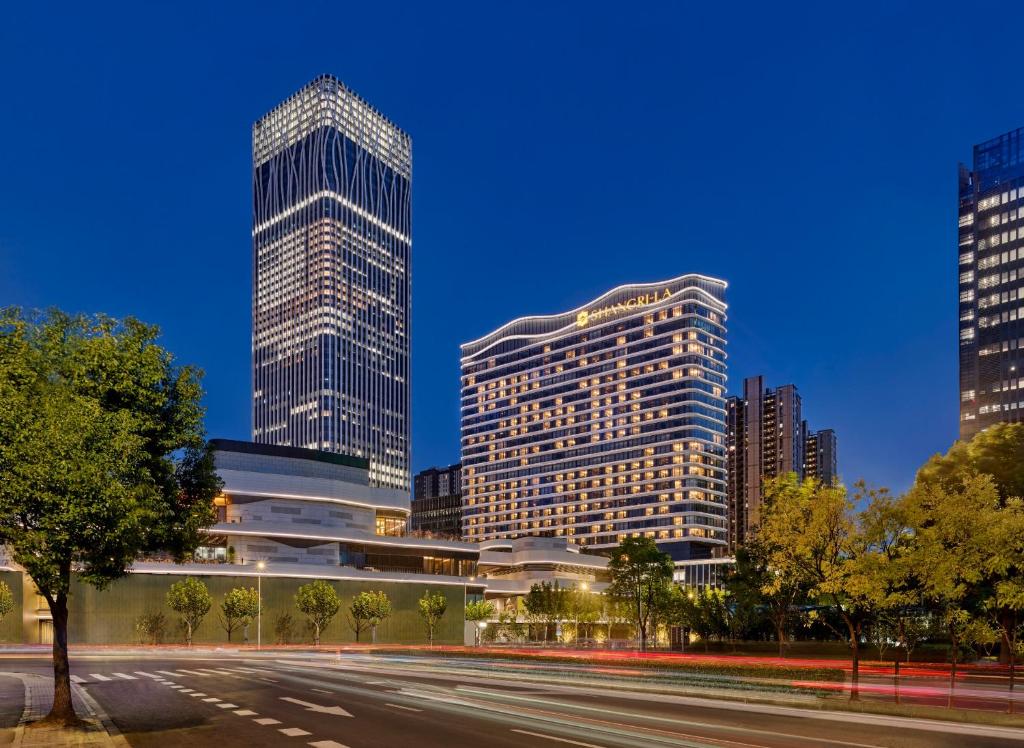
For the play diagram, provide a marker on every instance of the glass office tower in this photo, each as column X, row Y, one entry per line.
column 602, row 422
column 991, row 288
column 331, row 273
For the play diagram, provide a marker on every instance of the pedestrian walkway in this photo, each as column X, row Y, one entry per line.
column 98, row 730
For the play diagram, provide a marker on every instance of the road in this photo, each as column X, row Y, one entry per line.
column 363, row 701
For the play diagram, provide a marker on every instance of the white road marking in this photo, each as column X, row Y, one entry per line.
column 97, row 676
column 377, row 682
column 207, row 671
column 406, row 708
column 321, row 690
column 267, row 721
column 336, row 710
column 78, row 679
column 226, row 705
column 125, row 676
column 197, row 693
column 243, row 670
column 167, row 672
column 212, row 699
column 267, row 680
column 187, row 690
column 293, row 732
column 246, row 713
column 148, row 675
column 327, row 744
column 176, row 687
column 557, row 739
column 190, row 672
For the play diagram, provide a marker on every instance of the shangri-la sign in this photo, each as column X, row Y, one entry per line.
column 587, row 316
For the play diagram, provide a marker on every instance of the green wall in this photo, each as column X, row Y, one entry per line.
column 108, row 616
column 12, row 627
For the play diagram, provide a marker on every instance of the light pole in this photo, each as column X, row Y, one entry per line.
column 260, row 566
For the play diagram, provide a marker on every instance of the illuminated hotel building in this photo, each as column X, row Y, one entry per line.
column 603, row 422
column 331, row 297
column 991, row 285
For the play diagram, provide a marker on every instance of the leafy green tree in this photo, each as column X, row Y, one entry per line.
column 852, row 563
column 102, row 457
column 240, row 606
column 998, row 451
column 546, row 605
column 583, row 608
column 150, row 628
column 284, row 628
column 319, row 602
column 477, row 611
column 367, row 610
column 6, row 600
column 640, row 575
column 755, row 585
column 968, row 554
column 190, row 599
column 432, row 608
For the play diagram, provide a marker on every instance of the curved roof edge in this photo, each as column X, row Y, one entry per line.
column 495, row 334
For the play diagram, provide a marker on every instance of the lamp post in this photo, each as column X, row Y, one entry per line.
column 260, row 566
column 584, row 587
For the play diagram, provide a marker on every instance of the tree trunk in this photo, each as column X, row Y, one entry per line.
column 373, row 635
column 63, row 710
column 780, row 632
column 955, row 641
column 188, row 633
column 316, row 634
column 855, row 656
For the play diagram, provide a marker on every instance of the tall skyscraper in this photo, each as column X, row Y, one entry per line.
column 991, row 271
column 331, row 244
column 437, row 501
column 820, row 455
column 603, row 422
column 764, row 439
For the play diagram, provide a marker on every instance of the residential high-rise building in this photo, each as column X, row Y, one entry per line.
column 820, row 455
column 603, row 422
column 331, row 279
column 991, row 288
column 437, row 501
column 764, row 439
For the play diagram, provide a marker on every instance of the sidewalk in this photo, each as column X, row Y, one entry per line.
column 99, row 731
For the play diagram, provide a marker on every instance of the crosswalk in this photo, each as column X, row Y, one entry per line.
column 161, row 675
column 168, row 677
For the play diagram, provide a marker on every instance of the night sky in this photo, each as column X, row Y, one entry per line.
column 806, row 154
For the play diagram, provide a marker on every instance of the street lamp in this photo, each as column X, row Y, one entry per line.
column 260, row 566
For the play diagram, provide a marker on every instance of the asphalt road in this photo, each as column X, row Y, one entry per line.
column 360, row 701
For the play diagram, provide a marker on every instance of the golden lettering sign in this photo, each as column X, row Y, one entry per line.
column 587, row 316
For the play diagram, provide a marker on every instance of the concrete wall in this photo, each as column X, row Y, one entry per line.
column 108, row 616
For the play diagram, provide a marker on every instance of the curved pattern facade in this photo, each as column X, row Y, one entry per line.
column 602, row 422
column 332, row 239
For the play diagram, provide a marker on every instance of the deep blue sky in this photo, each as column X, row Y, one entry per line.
column 806, row 154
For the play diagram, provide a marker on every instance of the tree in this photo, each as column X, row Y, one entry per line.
column 853, row 564
column 240, row 606
column 545, row 604
column 583, row 608
column 367, row 610
column 190, row 599
column 754, row 584
column 998, row 451
column 432, row 608
column 284, row 628
column 319, row 602
column 150, row 628
column 640, row 576
column 477, row 611
column 102, row 458
column 6, row 600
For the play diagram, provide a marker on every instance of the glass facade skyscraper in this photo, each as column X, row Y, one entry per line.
column 332, row 236
column 991, row 285
column 603, row 422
